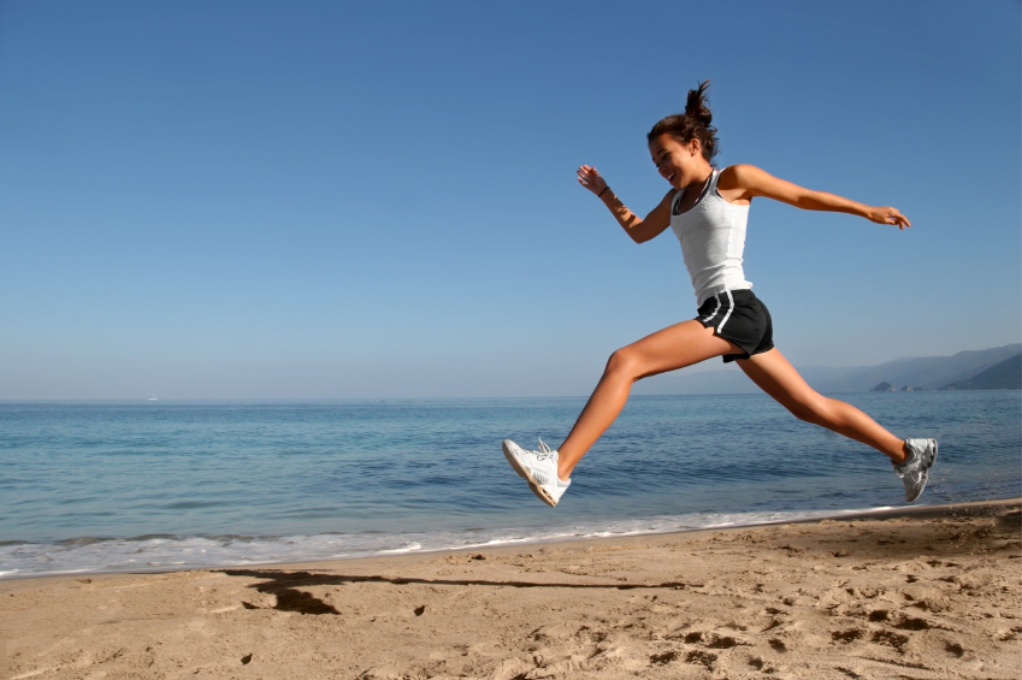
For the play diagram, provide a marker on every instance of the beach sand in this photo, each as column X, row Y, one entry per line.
column 920, row 593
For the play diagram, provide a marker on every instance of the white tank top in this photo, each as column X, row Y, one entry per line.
column 712, row 236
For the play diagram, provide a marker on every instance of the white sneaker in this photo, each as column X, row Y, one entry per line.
column 539, row 468
column 916, row 469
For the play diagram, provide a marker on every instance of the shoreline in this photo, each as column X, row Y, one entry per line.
column 924, row 591
column 817, row 516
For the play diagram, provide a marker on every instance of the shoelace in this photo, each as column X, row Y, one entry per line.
column 544, row 452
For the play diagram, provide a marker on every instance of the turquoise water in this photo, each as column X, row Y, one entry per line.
column 117, row 486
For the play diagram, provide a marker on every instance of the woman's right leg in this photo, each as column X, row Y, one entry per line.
column 674, row 347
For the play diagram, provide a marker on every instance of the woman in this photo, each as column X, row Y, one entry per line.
column 708, row 210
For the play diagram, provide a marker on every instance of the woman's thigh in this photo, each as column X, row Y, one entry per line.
column 674, row 347
column 772, row 372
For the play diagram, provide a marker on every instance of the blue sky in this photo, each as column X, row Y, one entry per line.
column 317, row 199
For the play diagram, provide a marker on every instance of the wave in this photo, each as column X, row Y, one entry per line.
column 155, row 553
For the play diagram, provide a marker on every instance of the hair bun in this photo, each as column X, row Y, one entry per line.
column 696, row 106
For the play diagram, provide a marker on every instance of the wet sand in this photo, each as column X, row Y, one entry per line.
column 918, row 593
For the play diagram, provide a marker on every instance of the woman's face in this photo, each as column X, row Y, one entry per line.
column 677, row 162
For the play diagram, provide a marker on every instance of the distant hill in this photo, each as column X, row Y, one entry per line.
column 1006, row 375
column 929, row 373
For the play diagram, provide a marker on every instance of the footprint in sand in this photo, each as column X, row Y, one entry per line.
column 663, row 659
column 912, row 623
column 885, row 637
column 701, row 657
column 722, row 642
column 847, row 636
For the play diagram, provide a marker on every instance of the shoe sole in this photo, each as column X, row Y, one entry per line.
column 524, row 473
column 515, row 465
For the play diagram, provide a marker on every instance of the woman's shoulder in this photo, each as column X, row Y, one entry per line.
column 737, row 176
column 734, row 181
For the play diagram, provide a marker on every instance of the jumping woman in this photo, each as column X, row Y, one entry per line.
column 708, row 210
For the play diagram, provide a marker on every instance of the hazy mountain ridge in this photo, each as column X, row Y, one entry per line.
column 923, row 372
column 1006, row 375
column 929, row 373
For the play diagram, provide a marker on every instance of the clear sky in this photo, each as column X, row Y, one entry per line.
column 331, row 199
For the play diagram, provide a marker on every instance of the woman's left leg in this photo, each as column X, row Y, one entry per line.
column 778, row 378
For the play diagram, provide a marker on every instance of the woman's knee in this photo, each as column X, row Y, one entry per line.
column 625, row 361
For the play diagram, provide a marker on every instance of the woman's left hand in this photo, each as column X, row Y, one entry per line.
column 888, row 215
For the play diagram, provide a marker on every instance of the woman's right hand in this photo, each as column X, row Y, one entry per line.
column 638, row 230
column 590, row 178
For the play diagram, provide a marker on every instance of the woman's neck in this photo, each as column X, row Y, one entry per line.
column 700, row 180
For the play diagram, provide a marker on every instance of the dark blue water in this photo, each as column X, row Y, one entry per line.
column 94, row 486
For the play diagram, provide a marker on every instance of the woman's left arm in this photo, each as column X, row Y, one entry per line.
column 750, row 181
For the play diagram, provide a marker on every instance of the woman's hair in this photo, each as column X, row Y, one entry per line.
column 694, row 123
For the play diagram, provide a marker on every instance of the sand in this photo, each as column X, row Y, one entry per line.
column 930, row 593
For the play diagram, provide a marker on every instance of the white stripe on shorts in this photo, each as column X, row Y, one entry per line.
column 731, row 301
column 707, row 319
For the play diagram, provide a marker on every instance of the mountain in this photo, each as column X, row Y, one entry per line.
column 929, row 373
column 1006, row 375
column 922, row 372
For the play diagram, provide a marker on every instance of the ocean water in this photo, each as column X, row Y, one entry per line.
column 158, row 485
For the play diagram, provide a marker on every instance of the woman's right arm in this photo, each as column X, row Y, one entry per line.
column 639, row 230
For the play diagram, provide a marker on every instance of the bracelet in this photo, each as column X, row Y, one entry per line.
column 601, row 193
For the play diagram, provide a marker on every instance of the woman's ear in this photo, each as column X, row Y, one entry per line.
column 695, row 147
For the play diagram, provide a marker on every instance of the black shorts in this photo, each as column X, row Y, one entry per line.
column 739, row 316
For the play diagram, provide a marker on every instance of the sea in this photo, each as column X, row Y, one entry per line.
column 148, row 486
